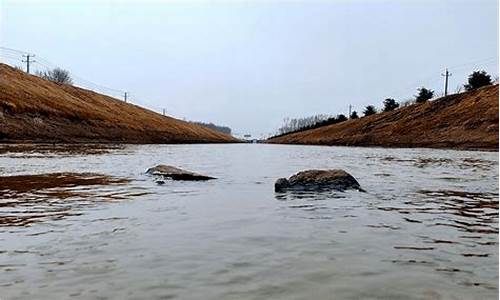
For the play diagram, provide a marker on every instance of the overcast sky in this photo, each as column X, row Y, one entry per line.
column 249, row 64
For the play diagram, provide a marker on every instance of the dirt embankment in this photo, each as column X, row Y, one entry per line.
column 36, row 110
column 463, row 121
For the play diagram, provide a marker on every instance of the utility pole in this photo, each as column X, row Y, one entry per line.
column 125, row 97
column 446, row 75
column 350, row 107
column 163, row 111
column 28, row 61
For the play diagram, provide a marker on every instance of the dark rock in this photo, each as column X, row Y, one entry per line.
column 160, row 182
column 318, row 180
column 176, row 173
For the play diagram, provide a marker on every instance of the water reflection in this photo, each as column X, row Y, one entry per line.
column 35, row 198
column 423, row 162
column 53, row 150
column 477, row 212
column 308, row 195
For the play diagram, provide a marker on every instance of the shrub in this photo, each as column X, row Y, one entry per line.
column 478, row 79
column 354, row 115
column 424, row 95
column 369, row 110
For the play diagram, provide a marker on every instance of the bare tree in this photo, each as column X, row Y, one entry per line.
column 296, row 124
column 57, row 75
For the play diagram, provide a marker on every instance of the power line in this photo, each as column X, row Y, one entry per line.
column 46, row 62
column 482, row 62
column 49, row 64
column 491, row 59
column 78, row 81
column 10, row 53
column 13, row 56
column 477, row 65
column 13, row 50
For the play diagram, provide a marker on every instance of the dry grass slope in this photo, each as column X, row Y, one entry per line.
column 463, row 121
column 36, row 110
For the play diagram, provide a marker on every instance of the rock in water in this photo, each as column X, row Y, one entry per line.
column 318, row 180
column 176, row 173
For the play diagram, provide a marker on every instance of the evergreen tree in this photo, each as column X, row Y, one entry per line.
column 478, row 79
column 424, row 95
column 370, row 110
column 390, row 104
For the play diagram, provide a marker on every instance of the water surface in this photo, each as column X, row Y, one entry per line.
column 427, row 228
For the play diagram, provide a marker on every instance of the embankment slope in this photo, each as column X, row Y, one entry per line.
column 37, row 110
column 464, row 121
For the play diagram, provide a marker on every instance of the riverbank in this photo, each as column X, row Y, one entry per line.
column 463, row 121
column 36, row 110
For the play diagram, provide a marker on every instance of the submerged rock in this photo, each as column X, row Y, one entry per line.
column 176, row 173
column 318, row 180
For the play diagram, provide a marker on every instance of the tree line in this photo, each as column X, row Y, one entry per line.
column 475, row 80
column 219, row 128
column 292, row 124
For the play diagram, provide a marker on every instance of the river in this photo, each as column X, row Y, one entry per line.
column 427, row 227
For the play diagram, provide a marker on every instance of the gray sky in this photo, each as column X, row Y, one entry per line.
column 249, row 64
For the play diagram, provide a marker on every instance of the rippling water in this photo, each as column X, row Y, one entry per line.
column 427, row 228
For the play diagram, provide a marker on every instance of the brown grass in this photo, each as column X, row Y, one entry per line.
column 464, row 121
column 36, row 110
